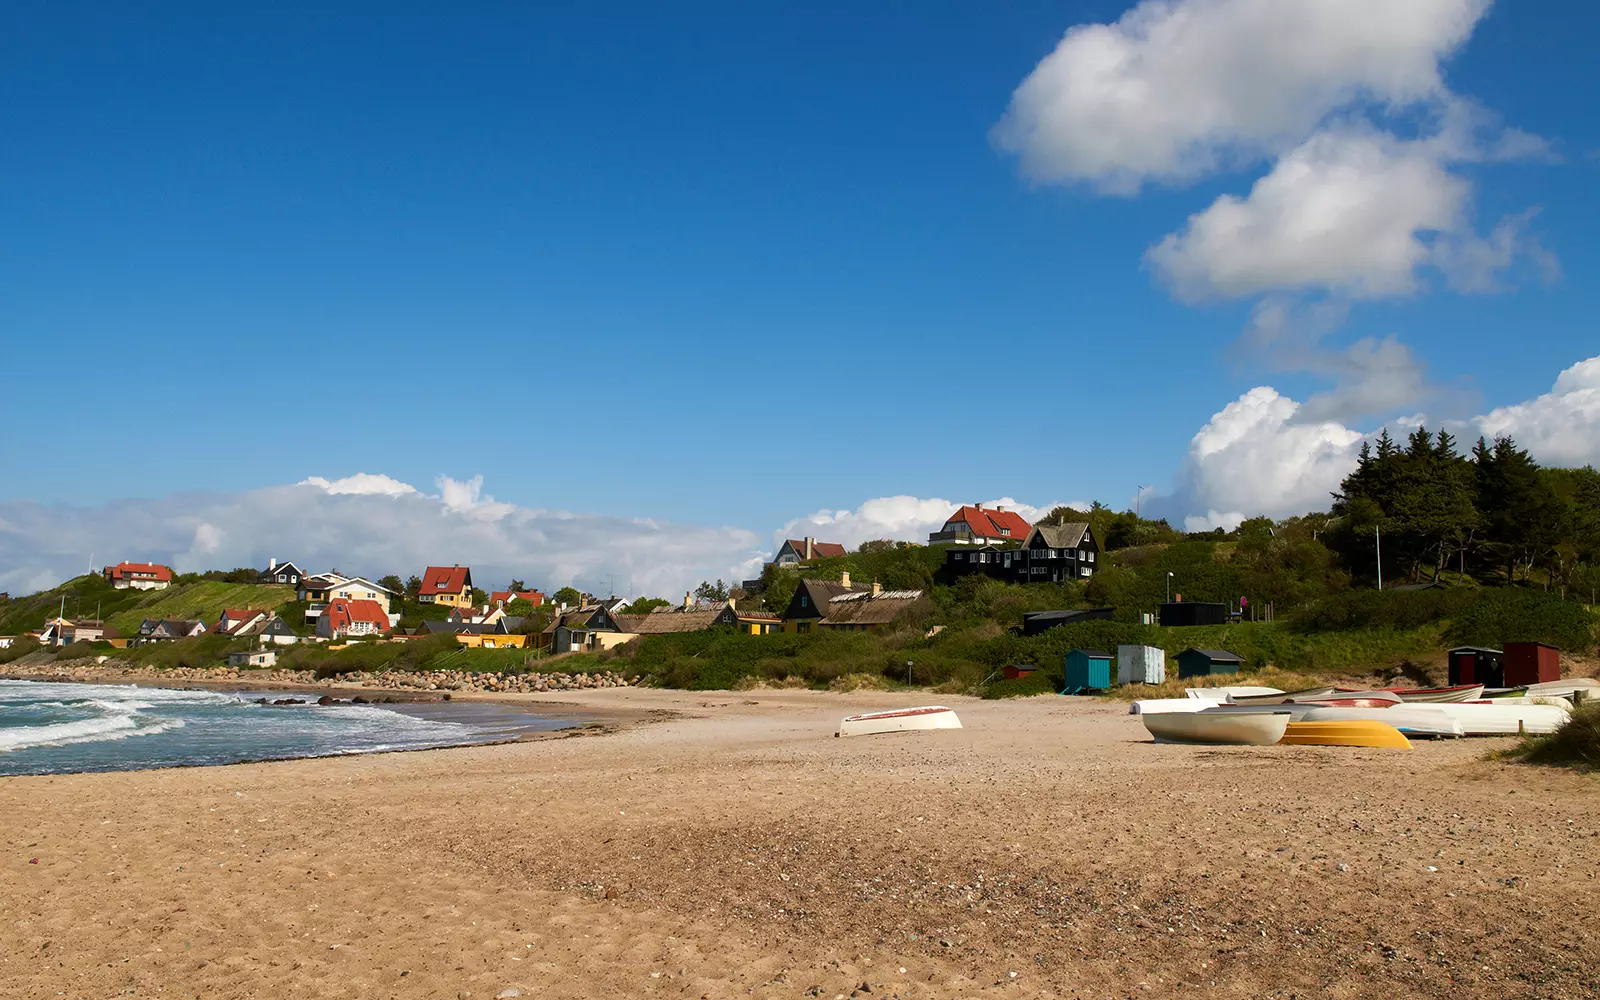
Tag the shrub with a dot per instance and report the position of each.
(1576, 744)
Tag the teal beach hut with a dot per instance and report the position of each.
(1087, 670)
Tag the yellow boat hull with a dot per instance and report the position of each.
(1345, 734)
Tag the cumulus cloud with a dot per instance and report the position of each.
(1177, 89)
(901, 518)
(371, 531)
(1561, 427)
(361, 484)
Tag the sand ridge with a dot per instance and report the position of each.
(735, 849)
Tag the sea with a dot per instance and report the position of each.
(50, 728)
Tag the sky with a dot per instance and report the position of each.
(620, 295)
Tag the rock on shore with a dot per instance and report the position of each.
(390, 680)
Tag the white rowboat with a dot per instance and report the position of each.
(899, 720)
(1413, 720)
(1504, 720)
(1159, 706)
(1254, 729)
(1224, 693)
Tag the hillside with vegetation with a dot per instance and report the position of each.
(191, 596)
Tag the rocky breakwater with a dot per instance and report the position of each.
(484, 683)
(90, 671)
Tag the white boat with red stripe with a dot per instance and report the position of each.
(899, 720)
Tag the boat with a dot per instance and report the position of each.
(1493, 719)
(899, 720)
(1342, 733)
(1350, 699)
(1157, 706)
(1461, 692)
(1566, 689)
(1412, 720)
(1280, 697)
(1224, 693)
(1252, 729)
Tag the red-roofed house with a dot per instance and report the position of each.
(806, 550)
(450, 585)
(346, 618)
(533, 597)
(138, 576)
(241, 621)
(976, 524)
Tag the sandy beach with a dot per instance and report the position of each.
(724, 845)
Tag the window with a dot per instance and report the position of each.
(961, 557)
(805, 602)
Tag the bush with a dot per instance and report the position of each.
(1576, 744)
(20, 647)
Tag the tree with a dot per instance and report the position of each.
(568, 596)
(645, 605)
(478, 597)
(392, 584)
(517, 587)
(413, 588)
(709, 593)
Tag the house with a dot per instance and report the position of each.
(1205, 662)
(253, 658)
(317, 591)
(1051, 552)
(589, 628)
(975, 524)
(138, 576)
(450, 585)
(750, 621)
(65, 632)
(6, 641)
(809, 604)
(533, 597)
(237, 622)
(281, 572)
(276, 632)
(1181, 613)
(871, 610)
(692, 617)
(1036, 622)
(806, 550)
(345, 617)
(169, 629)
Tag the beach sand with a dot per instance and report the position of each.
(734, 849)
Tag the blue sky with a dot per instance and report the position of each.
(719, 264)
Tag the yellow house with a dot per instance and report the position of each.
(489, 640)
(450, 585)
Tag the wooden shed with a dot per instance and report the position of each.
(1087, 670)
(1205, 662)
(1017, 671)
(1531, 663)
(1141, 664)
(1477, 665)
(1184, 613)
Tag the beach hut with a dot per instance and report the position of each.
(1531, 663)
(1087, 670)
(1477, 665)
(1017, 671)
(1205, 662)
(1141, 664)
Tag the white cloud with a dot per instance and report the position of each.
(1176, 89)
(372, 531)
(1561, 427)
(362, 484)
(901, 518)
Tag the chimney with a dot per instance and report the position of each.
(877, 588)
(688, 600)
(811, 548)
(272, 563)
(1001, 508)
(730, 605)
(978, 505)
(844, 579)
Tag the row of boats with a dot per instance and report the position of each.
(1388, 717)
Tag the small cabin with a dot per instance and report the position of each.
(1185, 613)
(253, 658)
(1531, 663)
(1087, 670)
(1017, 671)
(1141, 664)
(1477, 665)
(1206, 662)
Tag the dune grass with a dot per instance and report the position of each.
(1576, 744)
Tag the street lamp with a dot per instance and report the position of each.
(909, 665)
(1169, 586)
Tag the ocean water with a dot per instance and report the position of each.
(56, 728)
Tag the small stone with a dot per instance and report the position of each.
(507, 993)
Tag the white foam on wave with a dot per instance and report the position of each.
(106, 727)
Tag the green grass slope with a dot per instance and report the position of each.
(88, 596)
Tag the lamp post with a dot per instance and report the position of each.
(909, 665)
(1169, 586)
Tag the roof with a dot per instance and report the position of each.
(823, 591)
(867, 608)
(987, 523)
(506, 597)
(1093, 654)
(322, 581)
(1061, 534)
(445, 580)
(1216, 655)
(341, 614)
(822, 550)
(675, 618)
(123, 569)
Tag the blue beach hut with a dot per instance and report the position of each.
(1087, 670)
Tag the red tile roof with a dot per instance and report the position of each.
(988, 523)
(819, 550)
(445, 580)
(341, 613)
(533, 597)
(151, 570)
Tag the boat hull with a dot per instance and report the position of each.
(1254, 729)
(1281, 696)
(1412, 721)
(1505, 720)
(1428, 696)
(899, 721)
(1345, 734)
(1159, 706)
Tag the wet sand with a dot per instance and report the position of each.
(735, 849)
